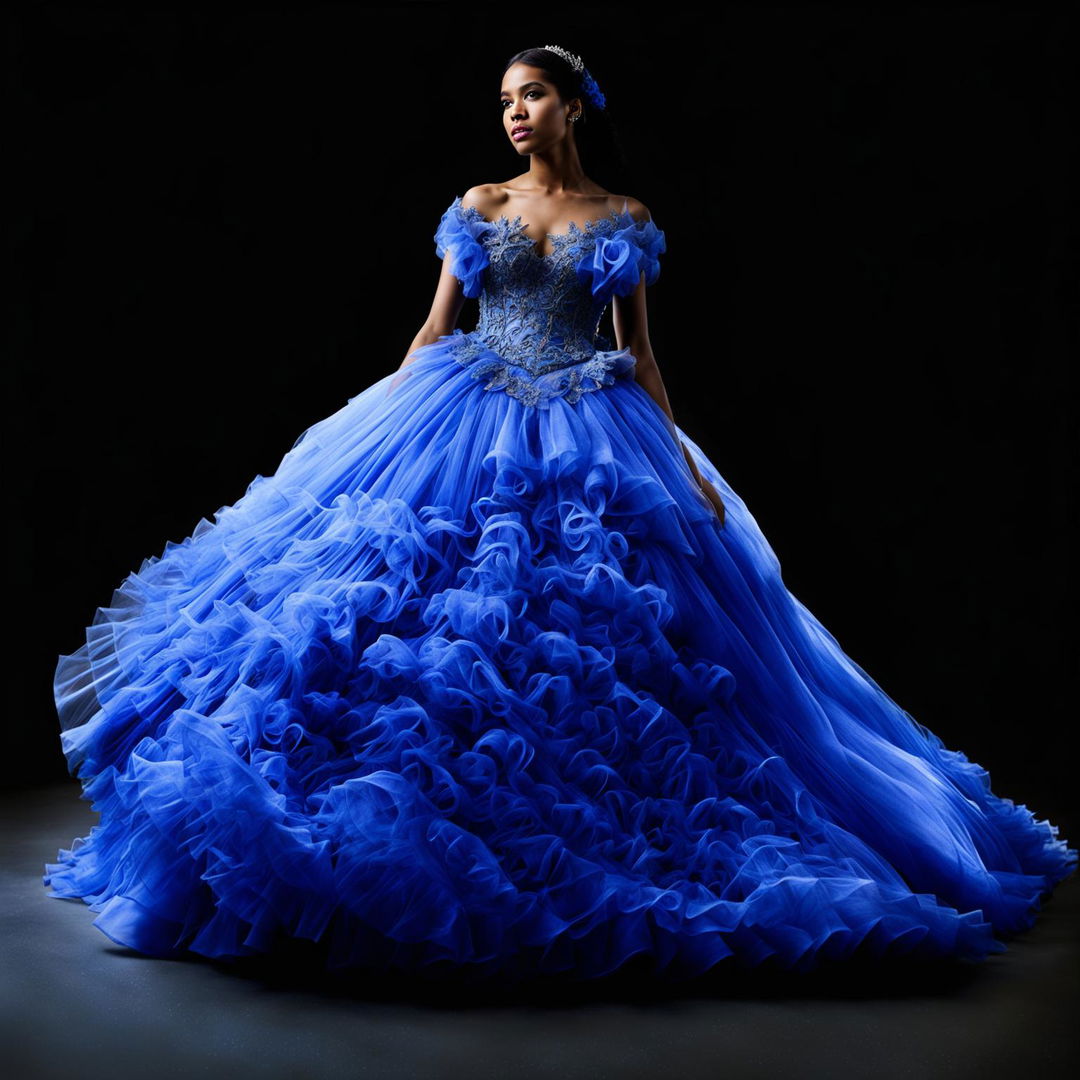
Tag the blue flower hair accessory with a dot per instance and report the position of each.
(588, 84)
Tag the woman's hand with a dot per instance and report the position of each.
(714, 497)
(707, 489)
(401, 376)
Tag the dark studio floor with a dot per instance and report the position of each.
(75, 1004)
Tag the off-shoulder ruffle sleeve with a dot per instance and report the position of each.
(616, 263)
(652, 244)
(458, 235)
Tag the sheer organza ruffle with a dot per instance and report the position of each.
(471, 682)
(615, 264)
(459, 240)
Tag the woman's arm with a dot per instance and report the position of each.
(443, 316)
(631, 322)
(450, 292)
(647, 373)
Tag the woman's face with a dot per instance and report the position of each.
(531, 101)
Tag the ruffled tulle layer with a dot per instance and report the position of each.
(476, 683)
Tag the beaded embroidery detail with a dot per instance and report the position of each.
(537, 336)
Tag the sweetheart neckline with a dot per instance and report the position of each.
(515, 225)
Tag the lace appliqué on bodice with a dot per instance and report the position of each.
(538, 336)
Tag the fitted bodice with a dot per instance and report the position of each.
(538, 332)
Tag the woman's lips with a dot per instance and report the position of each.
(523, 134)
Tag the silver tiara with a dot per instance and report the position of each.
(592, 92)
(574, 61)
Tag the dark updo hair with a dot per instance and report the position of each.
(595, 136)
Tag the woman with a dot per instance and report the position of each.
(497, 675)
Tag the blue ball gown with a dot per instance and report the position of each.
(477, 681)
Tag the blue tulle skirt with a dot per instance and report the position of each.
(471, 682)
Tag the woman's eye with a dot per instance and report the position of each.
(506, 101)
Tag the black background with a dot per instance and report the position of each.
(223, 230)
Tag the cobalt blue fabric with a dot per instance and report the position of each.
(476, 678)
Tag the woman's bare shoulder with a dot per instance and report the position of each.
(487, 198)
(634, 207)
